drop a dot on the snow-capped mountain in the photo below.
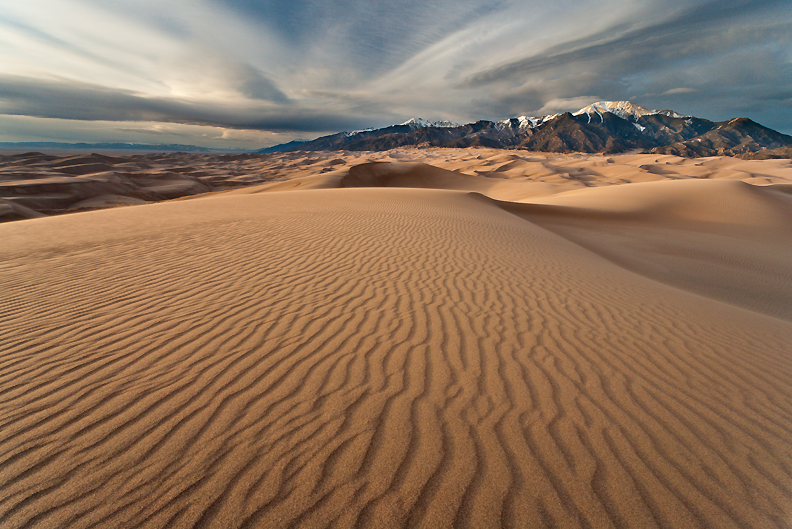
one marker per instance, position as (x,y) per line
(623,109)
(361,131)
(604,126)
(672,114)
(418,123)
(523,122)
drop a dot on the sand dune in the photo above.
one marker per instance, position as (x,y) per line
(484,351)
(36,183)
(724,239)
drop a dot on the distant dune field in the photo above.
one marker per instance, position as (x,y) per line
(414,338)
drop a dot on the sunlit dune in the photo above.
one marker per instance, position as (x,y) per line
(411,338)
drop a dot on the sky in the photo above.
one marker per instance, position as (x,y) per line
(254,73)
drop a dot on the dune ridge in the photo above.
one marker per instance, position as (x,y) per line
(400,357)
(37,184)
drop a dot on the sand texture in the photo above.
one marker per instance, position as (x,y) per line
(400,342)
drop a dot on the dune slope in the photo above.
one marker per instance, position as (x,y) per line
(373,358)
(724,239)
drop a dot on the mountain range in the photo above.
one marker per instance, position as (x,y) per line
(603,127)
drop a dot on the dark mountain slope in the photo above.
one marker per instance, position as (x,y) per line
(729,138)
(606,127)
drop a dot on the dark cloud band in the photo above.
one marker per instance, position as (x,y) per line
(87,102)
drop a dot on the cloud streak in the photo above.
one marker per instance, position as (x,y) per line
(692,32)
(85,102)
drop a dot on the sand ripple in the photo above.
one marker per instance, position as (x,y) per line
(373,358)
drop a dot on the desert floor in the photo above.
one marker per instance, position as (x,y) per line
(413,338)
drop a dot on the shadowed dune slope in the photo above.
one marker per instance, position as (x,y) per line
(417,175)
(373,358)
(724,239)
(425,176)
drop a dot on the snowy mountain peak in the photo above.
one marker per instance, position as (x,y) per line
(549,117)
(354,132)
(623,109)
(672,114)
(523,122)
(417,123)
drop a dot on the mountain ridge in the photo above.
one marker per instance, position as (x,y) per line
(608,127)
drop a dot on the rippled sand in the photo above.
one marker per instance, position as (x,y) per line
(479,352)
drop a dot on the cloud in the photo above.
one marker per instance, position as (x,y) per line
(680,90)
(696,31)
(65,99)
(24,128)
(205,73)
(562,105)
(253,84)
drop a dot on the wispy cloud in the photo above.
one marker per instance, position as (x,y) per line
(692,32)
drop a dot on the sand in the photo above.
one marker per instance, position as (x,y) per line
(408,342)
(36,184)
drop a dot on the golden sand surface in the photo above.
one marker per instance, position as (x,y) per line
(417,338)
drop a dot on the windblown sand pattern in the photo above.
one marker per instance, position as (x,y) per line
(399,358)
